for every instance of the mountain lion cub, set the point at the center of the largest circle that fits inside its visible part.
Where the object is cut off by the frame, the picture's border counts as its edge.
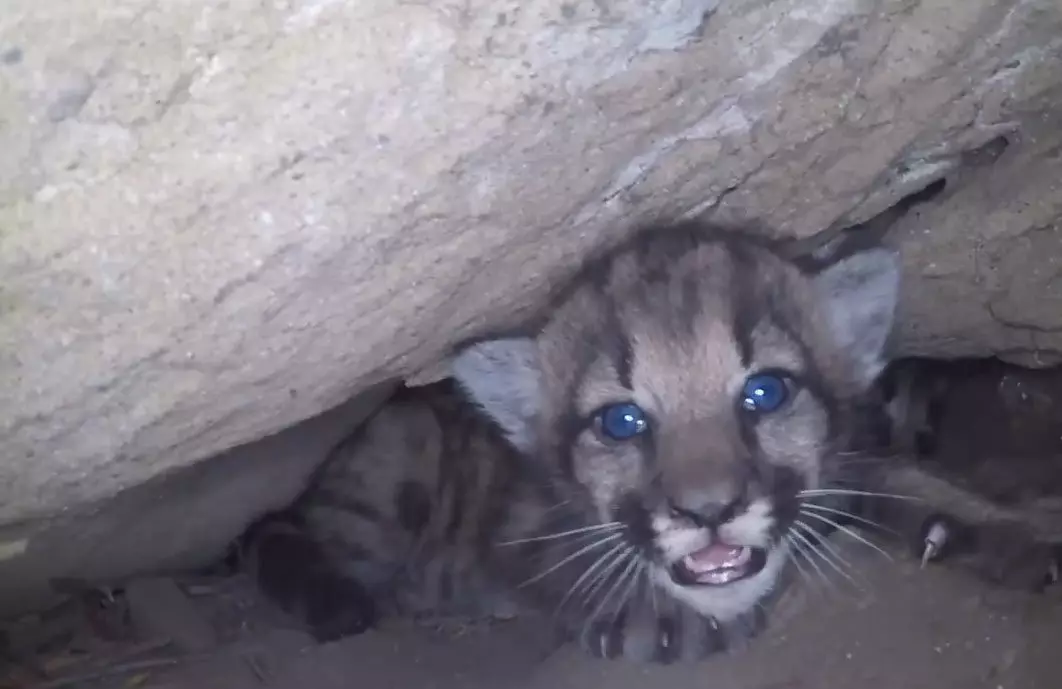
(639, 465)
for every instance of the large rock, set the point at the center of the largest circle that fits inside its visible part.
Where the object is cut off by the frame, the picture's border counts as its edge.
(184, 518)
(221, 218)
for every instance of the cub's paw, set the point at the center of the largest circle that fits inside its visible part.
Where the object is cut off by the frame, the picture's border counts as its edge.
(668, 637)
(294, 574)
(335, 607)
(1003, 554)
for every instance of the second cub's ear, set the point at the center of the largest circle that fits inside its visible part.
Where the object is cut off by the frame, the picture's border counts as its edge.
(503, 377)
(860, 294)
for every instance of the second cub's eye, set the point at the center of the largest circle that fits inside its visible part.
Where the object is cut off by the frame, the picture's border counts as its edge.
(764, 393)
(622, 421)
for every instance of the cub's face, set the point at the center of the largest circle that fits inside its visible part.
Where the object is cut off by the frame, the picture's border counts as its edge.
(689, 391)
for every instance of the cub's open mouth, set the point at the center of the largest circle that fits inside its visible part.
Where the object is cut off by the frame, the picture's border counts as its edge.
(718, 565)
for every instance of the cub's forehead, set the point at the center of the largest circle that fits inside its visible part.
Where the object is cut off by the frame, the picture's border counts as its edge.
(667, 288)
(678, 322)
(668, 268)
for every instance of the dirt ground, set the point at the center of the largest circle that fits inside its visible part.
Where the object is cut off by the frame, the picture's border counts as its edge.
(904, 628)
(909, 629)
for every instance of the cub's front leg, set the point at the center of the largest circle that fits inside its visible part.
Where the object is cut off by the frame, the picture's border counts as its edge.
(1015, 546)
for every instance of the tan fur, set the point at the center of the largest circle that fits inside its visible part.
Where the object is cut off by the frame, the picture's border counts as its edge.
(590, 528)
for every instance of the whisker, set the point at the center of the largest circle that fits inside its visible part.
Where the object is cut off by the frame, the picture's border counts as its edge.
(878, 454)
(807, 555)
(579, 583)
(567, 544)
(819, 538)
(559, 505)
(843, 513)
(811, 561)
(856, 457)
(844, 491)
(585, 549)
(818, 549)
(562, 534)
(602, 578)
(850, 532)
(593, 616)
(631, 586)
(852, 453)
(631, 566)
(641, 578)
(652, 592)
(796, 560)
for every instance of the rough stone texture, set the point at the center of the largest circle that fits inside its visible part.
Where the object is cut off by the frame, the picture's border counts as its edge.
(221, 218)
(185, 518)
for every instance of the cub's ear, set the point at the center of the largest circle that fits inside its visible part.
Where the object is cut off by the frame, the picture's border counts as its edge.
(504, 378)
(860, 294)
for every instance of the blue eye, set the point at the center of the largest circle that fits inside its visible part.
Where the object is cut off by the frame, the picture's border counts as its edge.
(764, 393)
(623, 421)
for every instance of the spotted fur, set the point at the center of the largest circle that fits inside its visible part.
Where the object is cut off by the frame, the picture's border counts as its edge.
(499, 487)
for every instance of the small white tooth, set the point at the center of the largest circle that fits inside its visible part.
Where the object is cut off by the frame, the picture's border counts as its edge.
(743, 557)
(740, 557)
(723, 576)
(696, 567)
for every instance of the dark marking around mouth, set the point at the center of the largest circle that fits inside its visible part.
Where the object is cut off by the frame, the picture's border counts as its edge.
(785, 485)
(635, 516)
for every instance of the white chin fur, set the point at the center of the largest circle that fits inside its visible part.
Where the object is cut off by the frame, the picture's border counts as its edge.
(752, 527)
(724, 603)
